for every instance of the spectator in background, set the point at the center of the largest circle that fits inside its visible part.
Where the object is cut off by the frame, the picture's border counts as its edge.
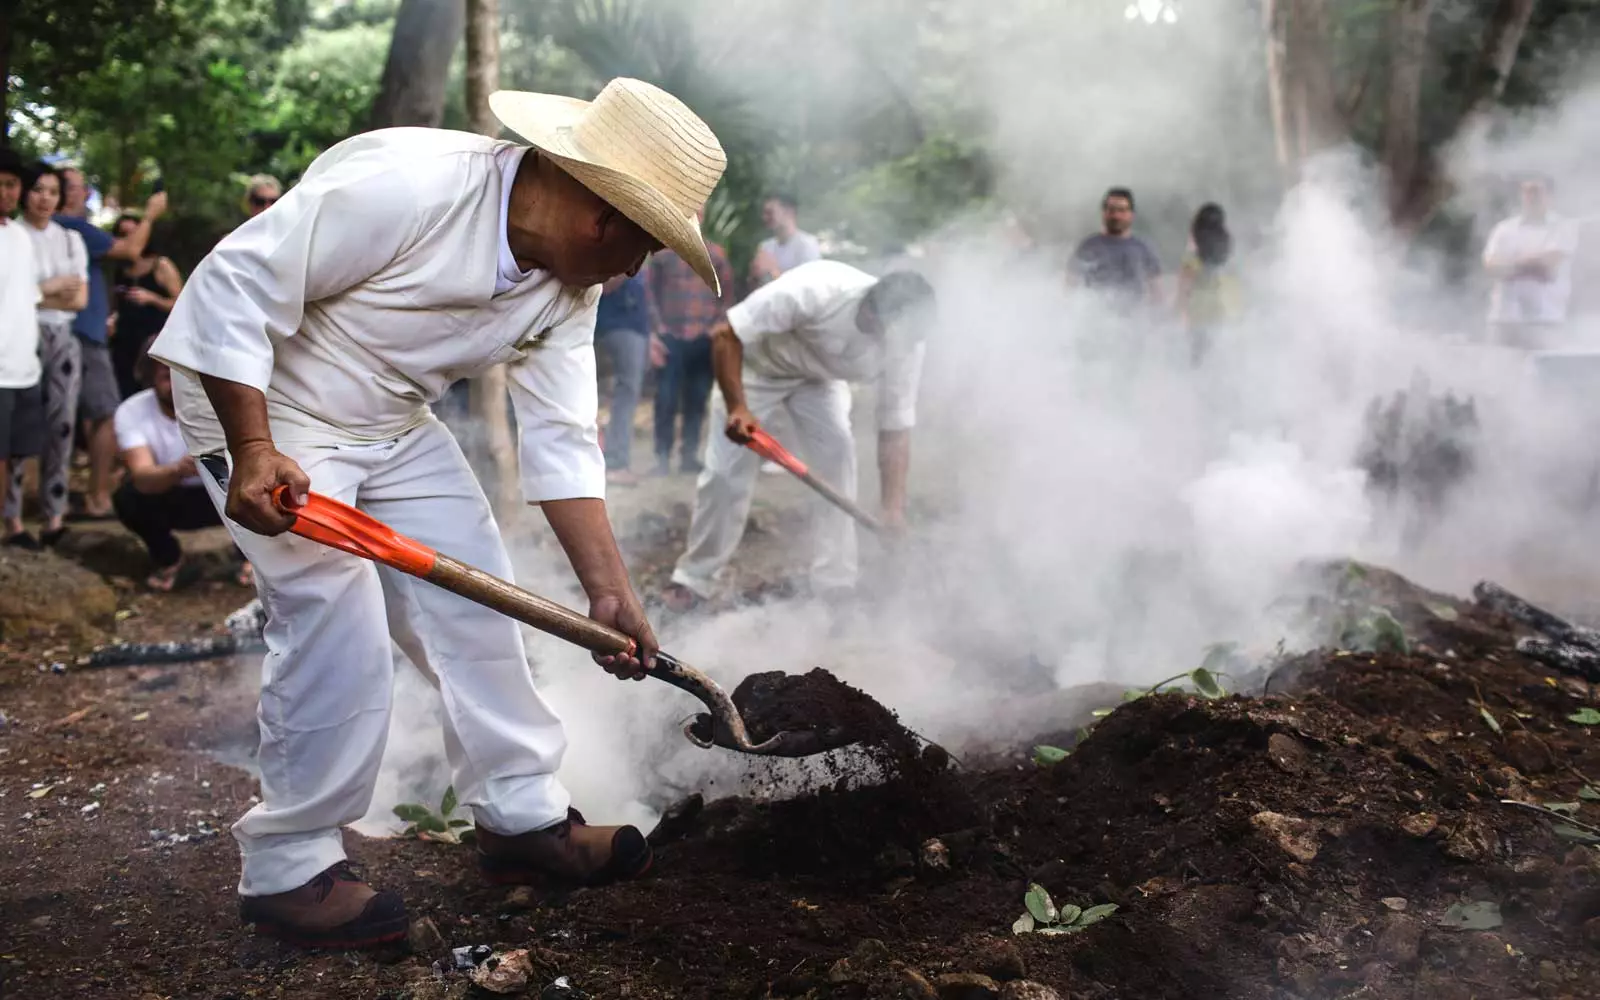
(98, 396)
(1114, 262)
(1529, 256)
(622, 331)
(788, 247)
(21, 408)
(63, 266)
(163, 492)
(145, 292)
(683, 312)
(261, 192)
(1208, 295)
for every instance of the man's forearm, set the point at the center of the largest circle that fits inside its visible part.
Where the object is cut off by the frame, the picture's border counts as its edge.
(894, 466)
(242, 411)
(583, 528)
(727, 364)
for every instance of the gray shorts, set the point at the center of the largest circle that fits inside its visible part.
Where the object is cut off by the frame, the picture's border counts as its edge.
(98, 396)
(21, 422)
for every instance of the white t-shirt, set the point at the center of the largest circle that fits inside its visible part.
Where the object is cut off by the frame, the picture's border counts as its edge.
(1527, 299)
(802, 248)
(140, 423)
(57, 251)
(19, 301)
(802, 326)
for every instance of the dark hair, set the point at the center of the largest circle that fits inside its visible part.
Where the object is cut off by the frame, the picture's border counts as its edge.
(1119, 192)
(783, 198)
(899, 294)
(1212, 243)
(43, 169)
(11, 163)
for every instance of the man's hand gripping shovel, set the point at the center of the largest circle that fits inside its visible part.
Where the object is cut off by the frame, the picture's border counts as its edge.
(341, 526)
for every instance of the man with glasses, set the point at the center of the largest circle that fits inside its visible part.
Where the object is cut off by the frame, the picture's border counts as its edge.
(262, 191)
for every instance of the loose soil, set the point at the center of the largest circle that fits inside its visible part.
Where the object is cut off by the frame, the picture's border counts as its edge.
(1305, 844)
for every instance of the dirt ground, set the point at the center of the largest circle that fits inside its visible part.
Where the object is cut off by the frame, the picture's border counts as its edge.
(1323, 841)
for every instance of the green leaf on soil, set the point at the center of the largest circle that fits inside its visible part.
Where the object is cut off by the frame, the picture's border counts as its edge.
(1217, 656)
(1068, 915)
(1048, 756)
(1488, 718)
(1024, 924)
(1589, 793)
(1095, 914)
(411, 812)
(1564, 808)
(1101, 713)
(456, 823)
(1471, 917)
(1388, 633)
(1442, 611)
(1573, 833)
(1039, 904)
(1206, 683)
(447, 805)
(1585, 717)
(431, 824)
(1356, 570)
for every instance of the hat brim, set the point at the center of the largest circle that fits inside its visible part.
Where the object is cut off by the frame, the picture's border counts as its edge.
(546, 120)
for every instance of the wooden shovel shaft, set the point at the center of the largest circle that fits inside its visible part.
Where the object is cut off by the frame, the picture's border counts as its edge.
(841, 501)
(529, 608)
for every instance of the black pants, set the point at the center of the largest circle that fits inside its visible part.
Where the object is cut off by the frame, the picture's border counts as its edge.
(683, 384)
(155, 516)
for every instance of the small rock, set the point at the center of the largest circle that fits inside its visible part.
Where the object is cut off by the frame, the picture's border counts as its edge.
(1527, 752)
(1590, 933)
(995, 957)
(43, 921)
(1295, 836)
(1471, 840)
(1399, 938)
(916, 985)
(1419, 825)
(1286, 752)
(966, 986)
(505, 973)
(935, 855)
(1550, 972)
(843, 971)
(1022, 989)
(519, 898)
(424, 938)
(1396, 903)
(870, 953)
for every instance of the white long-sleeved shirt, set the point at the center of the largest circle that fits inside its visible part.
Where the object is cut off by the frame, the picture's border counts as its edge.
(802, 326)
(370, 287)
(1524, 299)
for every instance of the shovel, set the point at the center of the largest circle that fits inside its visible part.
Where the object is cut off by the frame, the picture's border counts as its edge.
(341, 526)
(767, 447)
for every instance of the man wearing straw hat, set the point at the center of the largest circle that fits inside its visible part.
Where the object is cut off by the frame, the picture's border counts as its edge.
(306, 350)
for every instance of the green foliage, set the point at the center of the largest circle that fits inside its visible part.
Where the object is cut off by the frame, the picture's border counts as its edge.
(1585, 717)
(1043, 916)
(894, 202)
(1049, 756)
(440, 826)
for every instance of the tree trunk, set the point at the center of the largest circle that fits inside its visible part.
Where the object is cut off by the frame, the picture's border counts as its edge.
(1402, 150)
(487, 397)
(414, 76)
(1501, 39)
(1321, 124)
(1274, 16)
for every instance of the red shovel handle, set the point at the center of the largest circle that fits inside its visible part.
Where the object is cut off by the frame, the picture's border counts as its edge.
(341, 526)
(767, 447)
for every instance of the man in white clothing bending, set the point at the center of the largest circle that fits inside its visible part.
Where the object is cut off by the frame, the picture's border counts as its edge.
(794, 346)
(306, 350)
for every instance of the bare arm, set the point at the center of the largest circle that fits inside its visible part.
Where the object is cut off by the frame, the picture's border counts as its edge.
(149, 477)
(258, 467)
(167, 277)
(894, 466)
(727, 364)
(68, 293)
(583, 528)
(131, 246)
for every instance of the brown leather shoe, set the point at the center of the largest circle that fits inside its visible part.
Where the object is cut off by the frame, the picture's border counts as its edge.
(334, 910)
(569, 853)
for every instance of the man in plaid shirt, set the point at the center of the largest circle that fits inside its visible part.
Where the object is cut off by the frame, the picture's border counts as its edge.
(683, 312)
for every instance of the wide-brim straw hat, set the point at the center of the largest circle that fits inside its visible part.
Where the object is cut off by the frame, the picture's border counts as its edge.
(637, 147)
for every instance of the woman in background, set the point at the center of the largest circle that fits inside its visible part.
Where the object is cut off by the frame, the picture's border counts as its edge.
(63, 264)
(145, 292)
(1208, 294)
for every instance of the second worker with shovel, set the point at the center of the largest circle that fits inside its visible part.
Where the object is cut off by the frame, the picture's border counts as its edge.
(796, 345)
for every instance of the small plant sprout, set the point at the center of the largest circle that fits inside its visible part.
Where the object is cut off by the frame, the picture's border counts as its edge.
(440, 827)
(1049, 756)
(1042, 916)
(1585, 717)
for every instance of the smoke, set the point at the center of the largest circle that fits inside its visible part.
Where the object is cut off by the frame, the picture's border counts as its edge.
(1094, 505)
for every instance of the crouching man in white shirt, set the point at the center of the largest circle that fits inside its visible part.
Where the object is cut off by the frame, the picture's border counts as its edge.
(794, 346)
(307, 348)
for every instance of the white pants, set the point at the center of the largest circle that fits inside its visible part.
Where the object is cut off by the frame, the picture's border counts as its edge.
(328, 674)
(820, 412)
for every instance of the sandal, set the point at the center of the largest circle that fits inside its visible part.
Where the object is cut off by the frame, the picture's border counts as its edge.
(164, 578)
(23, 540)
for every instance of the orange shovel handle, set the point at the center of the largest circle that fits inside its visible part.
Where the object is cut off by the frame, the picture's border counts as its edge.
(341, 526)
(767, 447)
